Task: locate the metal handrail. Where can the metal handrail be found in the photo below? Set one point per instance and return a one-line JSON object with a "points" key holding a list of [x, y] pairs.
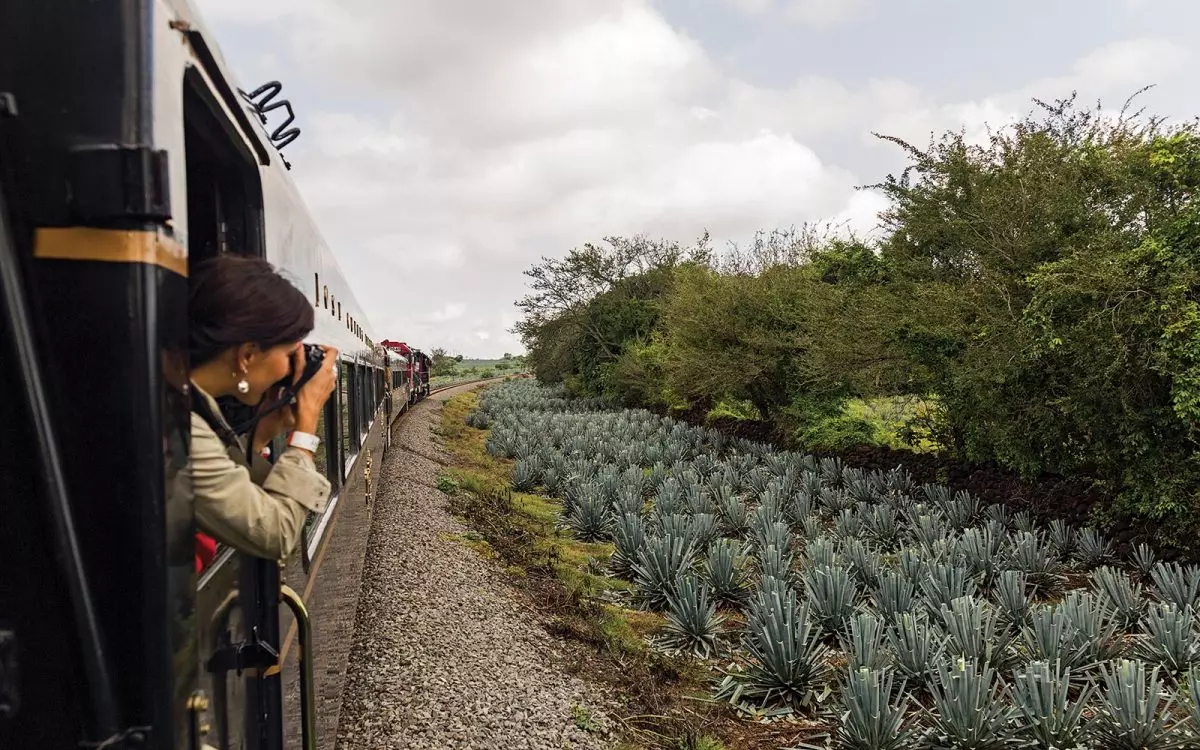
{"points": [[308, 710]]}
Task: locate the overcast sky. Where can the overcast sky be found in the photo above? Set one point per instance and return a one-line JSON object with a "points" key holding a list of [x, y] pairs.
{"points": [[447, 144]]}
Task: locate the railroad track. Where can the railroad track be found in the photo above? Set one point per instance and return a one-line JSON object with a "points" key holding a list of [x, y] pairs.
{"points": [[331, 589]]}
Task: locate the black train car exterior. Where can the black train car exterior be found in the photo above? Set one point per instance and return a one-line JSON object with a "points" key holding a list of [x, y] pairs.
{"points": [[127, 154]]}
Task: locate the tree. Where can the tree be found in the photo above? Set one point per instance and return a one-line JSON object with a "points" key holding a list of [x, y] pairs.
{"points": [[442, 362], [584, 308], [1069, 338]]}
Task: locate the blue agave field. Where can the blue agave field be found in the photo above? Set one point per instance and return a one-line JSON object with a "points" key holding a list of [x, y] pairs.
{"points": [[913, 615]]}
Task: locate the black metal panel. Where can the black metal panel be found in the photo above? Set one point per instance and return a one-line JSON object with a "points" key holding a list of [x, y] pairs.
{"points": [[128, 320], [98, 95]]}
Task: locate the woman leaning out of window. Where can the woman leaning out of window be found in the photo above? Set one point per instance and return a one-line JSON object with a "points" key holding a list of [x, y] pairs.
{"points": [[247, 324]]}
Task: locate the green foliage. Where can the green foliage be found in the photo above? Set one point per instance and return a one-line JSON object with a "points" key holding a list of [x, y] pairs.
{"points": [[1034, 298]]}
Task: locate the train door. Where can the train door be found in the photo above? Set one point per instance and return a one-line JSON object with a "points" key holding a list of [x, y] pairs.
{"points": [[237, 603]]}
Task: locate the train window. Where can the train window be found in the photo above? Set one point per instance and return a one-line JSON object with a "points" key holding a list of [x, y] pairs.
{"points": [[357, 416], [327, 297], [329, 436], [332, 305], [339, 311], [321, 457], [224, 193], [346, 407], [317, 287]]}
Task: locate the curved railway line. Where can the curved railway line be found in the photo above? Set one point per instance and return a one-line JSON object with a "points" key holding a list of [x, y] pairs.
{"points": [[332, 585]]}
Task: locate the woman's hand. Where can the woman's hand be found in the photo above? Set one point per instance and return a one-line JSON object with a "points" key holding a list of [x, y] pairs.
{"points": [[310, 402], [276, 423]]}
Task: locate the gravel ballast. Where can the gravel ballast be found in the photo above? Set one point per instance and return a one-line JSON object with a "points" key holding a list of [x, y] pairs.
{"points": [[446, 653]]}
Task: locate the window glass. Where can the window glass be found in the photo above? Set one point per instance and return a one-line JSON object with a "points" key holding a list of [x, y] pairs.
{"points": [[345, 405], [321, 456]]}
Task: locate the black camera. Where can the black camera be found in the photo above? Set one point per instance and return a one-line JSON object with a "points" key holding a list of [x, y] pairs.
{"points": [[314, 357], [243, 418]]}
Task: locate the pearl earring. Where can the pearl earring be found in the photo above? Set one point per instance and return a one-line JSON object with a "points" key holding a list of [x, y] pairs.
{"points": [[242, 386]]}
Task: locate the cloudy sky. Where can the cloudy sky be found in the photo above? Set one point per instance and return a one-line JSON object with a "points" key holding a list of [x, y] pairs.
{"points": [[447, 144]]}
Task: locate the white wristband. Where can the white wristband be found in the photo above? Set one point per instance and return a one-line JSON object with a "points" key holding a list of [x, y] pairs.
{"points": [[305, 440]]}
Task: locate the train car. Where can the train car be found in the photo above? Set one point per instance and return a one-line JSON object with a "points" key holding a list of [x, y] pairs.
{"points": [[128, 153], [401, 366], [421, 366]]}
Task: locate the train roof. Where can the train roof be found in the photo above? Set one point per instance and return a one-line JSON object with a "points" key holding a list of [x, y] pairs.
{"points": [[281, 193]]}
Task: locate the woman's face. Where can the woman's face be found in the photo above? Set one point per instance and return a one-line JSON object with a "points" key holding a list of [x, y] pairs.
{"points": [[265, 368]]}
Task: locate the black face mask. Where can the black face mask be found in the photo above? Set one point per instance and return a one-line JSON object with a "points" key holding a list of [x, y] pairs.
{"points": [[244, 419]]}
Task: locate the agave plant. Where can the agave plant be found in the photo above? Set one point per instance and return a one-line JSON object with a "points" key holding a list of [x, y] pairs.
{"points": [[1135, 710], [944, 584], [771, 534], [811, 528], [787, 662], [1092, 548], [821, 552], [725, 568], [525, 475], [912, 565], [775, 562], [866, 643], [1144, 560], [961, 511], [848, 524], [1120, 594], [1050, 636], [668, 501], [677, 524], [928, 530], [1169, 638], [692, 621], [871, 721], [916, 647], [1048, 717], [798, 508], [831, 594], [1031, 554], [999, 514], [981, 552], [830, 470], [661, 561], [734, 516], [1011, 597], [1176, 584], [834, 500], [883, 525], [974, 631], [1024, 522], [629, 536], [893, 595], [1098, 627], [588, 517], [865, 562], [1063, 538], [972, 709]]}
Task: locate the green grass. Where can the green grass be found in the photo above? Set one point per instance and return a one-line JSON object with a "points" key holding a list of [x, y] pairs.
{"points": [[565, 578], [475, 369]]}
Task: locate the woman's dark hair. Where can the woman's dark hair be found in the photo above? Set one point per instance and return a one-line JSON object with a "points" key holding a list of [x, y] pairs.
{"points": [[236, 299]]}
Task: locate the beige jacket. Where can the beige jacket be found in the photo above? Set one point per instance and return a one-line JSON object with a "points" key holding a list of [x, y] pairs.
{"points": [[261, 510]]}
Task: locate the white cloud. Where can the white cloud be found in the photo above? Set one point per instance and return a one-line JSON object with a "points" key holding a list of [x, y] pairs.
{"points": [[753, 7], [824, 14], [484, 135]]}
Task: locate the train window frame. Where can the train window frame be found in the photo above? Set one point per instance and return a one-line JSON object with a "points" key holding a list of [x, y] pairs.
{"points": [[356, 415], [345, 417], [216, 154]]}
